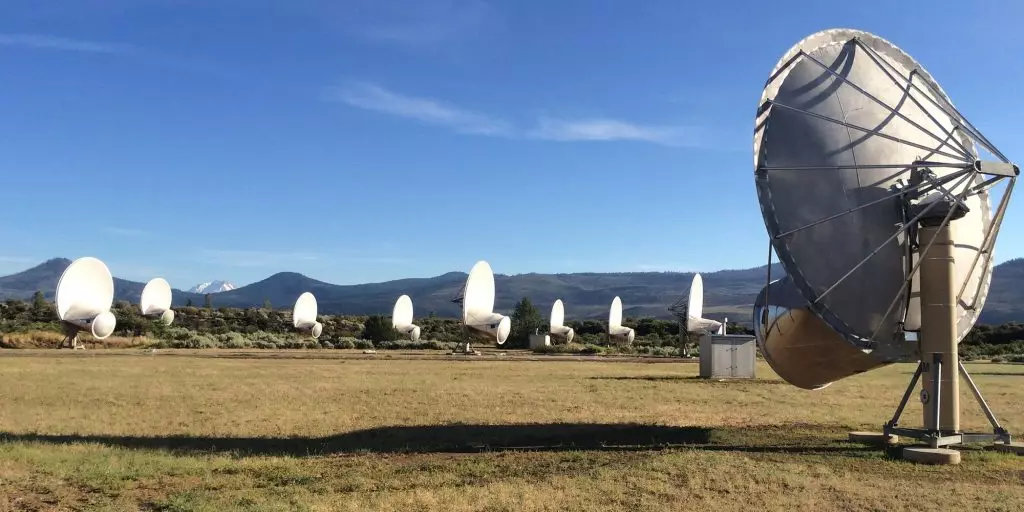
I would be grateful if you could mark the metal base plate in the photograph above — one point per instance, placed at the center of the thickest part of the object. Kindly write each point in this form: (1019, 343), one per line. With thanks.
(873, 438)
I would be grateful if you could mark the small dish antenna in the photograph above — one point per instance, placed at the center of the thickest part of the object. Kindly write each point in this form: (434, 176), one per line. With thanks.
(876, 201)
(617, 331)
(156, 300)
(558, 327)
(688, 310)
(401, 318)
(478, 316)
(304, 315)
(85, 293)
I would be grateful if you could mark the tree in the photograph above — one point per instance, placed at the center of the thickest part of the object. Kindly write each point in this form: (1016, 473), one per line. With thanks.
(188, 303)
(41, 311)
(209, 301)
(378, 328)
(526, 320)
(267, 305)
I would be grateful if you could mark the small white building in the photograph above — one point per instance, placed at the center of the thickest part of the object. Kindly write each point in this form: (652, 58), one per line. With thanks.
(727, 356)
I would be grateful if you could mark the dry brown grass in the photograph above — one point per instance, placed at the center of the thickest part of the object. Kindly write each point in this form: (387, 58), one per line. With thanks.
(50, 339)
(136, 430)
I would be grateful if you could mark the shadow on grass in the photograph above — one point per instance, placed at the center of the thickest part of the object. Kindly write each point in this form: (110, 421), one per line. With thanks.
(461, 438)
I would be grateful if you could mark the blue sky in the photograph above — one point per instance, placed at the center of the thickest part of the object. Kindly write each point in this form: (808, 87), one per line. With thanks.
(370, 140)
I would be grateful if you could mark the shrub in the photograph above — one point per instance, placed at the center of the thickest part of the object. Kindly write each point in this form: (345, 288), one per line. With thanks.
(363, 344)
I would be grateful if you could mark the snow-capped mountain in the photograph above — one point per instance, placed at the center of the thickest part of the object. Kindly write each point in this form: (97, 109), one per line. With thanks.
(212, 287)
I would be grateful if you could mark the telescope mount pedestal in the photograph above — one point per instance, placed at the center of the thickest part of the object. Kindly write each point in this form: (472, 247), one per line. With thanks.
(940, 363)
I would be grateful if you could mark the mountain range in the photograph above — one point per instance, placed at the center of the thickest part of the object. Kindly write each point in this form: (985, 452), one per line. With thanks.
(728, 293)
(212, 287)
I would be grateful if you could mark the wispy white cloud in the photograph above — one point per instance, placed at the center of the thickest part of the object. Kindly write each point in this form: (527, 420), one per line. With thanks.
(416, 23)
(615, 130)
(247, 258)
(373, 97)
(121, 231)
(370, 96)
(50, 42)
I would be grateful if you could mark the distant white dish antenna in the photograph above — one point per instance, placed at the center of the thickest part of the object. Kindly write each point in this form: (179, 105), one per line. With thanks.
(156, 300)
(85, 293)
(401, 318)
(874, 190)
(558, 327)
(690, 310)
(617, 331)
(477, 299)
(304, 315)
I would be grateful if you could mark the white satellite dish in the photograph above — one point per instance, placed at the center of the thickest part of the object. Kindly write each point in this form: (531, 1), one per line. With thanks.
(558, 327)
(478, 314)
(694, 310)
(85, 293)
(401, 318)
(876, 201)
(304, 315)
(617, 331)
(156, 300)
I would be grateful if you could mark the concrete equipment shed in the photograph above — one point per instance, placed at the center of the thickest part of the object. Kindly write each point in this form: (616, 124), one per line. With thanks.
(727, 356)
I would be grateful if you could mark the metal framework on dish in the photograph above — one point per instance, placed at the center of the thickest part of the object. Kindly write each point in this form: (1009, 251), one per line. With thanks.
(876, 202)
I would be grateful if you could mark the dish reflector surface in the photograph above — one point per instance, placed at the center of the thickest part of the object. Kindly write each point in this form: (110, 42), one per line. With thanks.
(85, 291)
(695, 308)
(615, 313)
(818, 181)
(304, 312)
(402, 314)
(557, 314)
(478, 300)
(156, 297)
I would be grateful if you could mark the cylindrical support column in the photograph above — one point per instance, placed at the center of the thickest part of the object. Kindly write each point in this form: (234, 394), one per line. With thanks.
(938, 329)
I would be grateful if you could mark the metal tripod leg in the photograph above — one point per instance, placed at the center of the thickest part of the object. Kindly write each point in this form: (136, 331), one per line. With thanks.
(1001, 433)
(895, 421)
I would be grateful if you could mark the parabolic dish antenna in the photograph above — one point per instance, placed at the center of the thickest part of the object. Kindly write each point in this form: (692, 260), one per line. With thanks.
(304, 315)
(558, 327)
(876, 200)
(478, 306)
(401, 318)
(156, 300)
(85, 293)
(691, 309)
(617, 331)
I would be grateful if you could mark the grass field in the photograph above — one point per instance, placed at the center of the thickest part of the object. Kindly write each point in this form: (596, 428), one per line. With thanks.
(108, 430)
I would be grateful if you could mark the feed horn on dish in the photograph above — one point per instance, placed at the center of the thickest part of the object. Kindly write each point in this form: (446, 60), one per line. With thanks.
(558, 328)
(304, 315)
(156, 300)
(478, 317)
(875, 192)
(85, 293)
(616, 331)
(401, 318)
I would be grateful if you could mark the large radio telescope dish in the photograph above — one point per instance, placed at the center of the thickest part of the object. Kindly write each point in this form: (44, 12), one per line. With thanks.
(478, 305)
(401, 318)
(558, 327)
(304, 315)
(875, 192)
(85, 294)
(156, 300)
(844, 120)
(616, 330)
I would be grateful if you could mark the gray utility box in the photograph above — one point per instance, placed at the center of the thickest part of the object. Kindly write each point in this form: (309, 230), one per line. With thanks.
(729, 356)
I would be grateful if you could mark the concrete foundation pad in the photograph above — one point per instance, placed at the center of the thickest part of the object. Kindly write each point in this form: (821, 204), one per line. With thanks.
(873, 438)
(1017, 448)
(925, 455)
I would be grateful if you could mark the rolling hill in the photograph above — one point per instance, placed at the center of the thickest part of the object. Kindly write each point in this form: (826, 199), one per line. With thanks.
(587, 295)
